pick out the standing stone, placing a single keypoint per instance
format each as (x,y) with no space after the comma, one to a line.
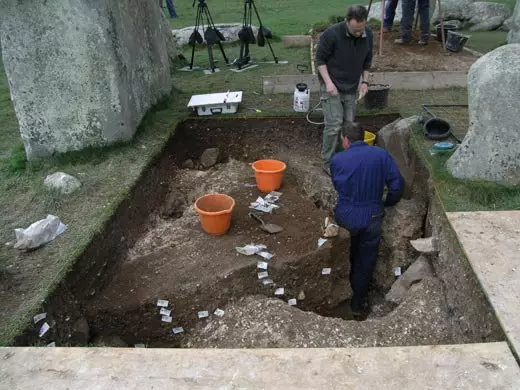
(491,149)
(62,182)
(488,24)
(514,32)
(395,137)
(83,73)
(481,11)
(451,9)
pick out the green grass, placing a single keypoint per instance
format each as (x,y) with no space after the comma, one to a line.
(485,41)
(283,17)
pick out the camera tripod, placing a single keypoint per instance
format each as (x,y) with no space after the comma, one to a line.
(211,34)
(247,37)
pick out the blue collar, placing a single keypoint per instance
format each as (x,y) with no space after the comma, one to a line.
(358,143)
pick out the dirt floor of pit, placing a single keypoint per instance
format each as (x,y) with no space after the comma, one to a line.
(173,259)
(413,57)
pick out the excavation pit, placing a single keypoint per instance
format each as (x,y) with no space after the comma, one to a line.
(154,248)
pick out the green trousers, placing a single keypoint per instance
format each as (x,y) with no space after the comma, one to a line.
(336,111)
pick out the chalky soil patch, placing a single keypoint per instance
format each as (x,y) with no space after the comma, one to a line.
(156,279)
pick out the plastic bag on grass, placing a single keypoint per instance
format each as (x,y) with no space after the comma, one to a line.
(39,233)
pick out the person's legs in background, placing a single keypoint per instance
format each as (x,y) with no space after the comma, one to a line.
(424,15)
(408,7)
(391,6)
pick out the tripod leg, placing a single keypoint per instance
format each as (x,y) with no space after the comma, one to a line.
(197,21)
(223,53)
(260,26)
(211,60)
(271,48)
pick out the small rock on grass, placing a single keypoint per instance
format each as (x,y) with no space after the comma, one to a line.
(62,182)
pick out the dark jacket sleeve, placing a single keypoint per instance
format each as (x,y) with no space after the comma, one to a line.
(394,182)
(368,59)
(325,47)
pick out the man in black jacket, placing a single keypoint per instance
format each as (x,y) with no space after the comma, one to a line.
(343,58)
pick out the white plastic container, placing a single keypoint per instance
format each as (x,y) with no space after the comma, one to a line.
(216,103)
(301,98)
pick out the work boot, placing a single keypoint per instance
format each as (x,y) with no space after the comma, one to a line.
(401,41)
(422,42)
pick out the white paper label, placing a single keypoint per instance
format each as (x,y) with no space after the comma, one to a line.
(162,303)
(267,281)
(177,330)
(166,319)
(265,255)
(321,241)
(219,312)
(262,275)
(262,265)
(279,291)
(52,345)
(45,327)
(165,312)
(292,302)
(326,271)
(397,271)
(39,317)
(203,314)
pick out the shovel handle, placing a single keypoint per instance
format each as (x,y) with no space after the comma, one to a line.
(254,216)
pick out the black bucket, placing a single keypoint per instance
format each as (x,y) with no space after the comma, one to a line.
(437,129)
(447,28)
(377,96)
(456,41)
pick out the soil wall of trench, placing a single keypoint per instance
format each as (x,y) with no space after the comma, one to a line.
(459,311)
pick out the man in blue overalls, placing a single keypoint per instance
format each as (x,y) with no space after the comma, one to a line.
(359,174)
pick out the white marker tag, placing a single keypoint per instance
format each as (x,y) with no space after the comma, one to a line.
(166,319)
(38,317)
(326,271)
(219,312)
(177,330)
(292,302)
(262,265)
(279,291)
(203,314)
(45,327)
(165,312)
(262,275)
(162,303)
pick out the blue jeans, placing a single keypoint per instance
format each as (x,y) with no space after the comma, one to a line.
(364,247)
(408,7)
(390,8)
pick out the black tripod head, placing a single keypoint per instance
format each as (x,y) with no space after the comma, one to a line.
(201,3)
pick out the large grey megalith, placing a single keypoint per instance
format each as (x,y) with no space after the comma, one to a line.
(514,32)
(491,149)
(83,73)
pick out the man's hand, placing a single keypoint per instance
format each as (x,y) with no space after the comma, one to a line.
(363,89)
(331,89)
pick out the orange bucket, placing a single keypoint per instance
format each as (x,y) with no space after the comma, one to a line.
(269,174)
(215,213)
